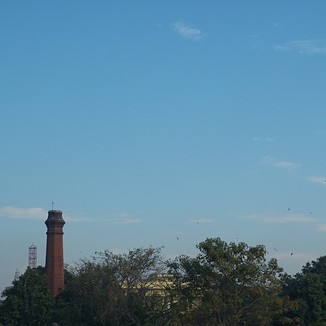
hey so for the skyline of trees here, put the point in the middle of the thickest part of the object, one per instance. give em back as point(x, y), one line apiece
point(225, 284)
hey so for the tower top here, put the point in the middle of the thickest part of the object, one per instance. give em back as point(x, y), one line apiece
point(55, 216)
point(55, 211)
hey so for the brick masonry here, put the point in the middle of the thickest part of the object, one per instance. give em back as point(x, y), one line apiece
point(54, 265)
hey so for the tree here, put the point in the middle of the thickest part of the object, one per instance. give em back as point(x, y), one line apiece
point(307, 290)
point(27, 301)
point(114, 289)
point(226, 284)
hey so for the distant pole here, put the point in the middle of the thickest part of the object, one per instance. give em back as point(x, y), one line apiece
point(17, 274)
point(32, 256)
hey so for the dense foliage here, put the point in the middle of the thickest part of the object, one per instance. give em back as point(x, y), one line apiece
point(113, 289)
point(227, 284)
point(307, 293)
point(224, 285)
point(27, 301)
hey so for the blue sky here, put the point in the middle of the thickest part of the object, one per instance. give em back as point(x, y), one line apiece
point(161, 123)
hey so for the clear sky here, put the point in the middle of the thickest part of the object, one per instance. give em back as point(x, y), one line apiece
point(162, 123)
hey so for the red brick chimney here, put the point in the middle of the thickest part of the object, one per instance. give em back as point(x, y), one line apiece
point(54, 252)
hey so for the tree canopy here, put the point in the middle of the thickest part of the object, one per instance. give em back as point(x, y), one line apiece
point(226, 284)
point(27, 301)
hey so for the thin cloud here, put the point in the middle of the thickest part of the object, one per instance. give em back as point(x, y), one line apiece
point(280, 219)
point(272, 161)
point(303, 47)
point(277, 24)
point(317, 179)
point(35, 213)
point(75, 218)
point(321, 227)
point(187, 32)
point(125, 219)
point(254, 41)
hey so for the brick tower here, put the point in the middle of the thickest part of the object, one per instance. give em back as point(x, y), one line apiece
point(54, 252)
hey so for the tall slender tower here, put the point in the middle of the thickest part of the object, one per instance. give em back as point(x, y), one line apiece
point(54, 252)
point(32, 256)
